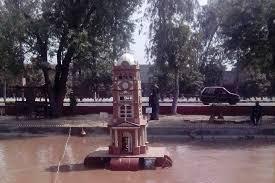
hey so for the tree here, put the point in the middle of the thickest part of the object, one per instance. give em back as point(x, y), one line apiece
point(238, 33)
point(162, 77)
point(254, 84)
point(213, 74)
point(32, 73)
point(93, 77)
point(61, 31)
point(10, 61)
point(245, 34)
point(209, 21)
point(172, 39)
point(191, 82)
point(11, 49)
point(270, 16)
point(10, 64)
point(211, 51)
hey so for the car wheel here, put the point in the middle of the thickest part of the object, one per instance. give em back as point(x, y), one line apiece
point(205, 103)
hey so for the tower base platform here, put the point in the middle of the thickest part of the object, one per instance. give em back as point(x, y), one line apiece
point(153, 158)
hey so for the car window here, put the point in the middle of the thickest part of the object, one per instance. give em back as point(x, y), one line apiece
point(208, 91)
point(217, 91)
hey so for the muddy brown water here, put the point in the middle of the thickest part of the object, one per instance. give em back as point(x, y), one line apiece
point(34, 159)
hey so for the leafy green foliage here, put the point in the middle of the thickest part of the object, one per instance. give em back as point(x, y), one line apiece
point(11, 48)
point(213, 74)
point(66, 32)
point(239, 33)
point(254, 83)
point(244, 31)
point(270, 15)
point(172, 41)
point(191, 82)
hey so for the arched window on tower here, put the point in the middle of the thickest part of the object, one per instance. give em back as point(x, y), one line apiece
point(125, 111)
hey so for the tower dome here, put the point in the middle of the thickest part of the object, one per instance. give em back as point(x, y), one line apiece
point(127, 57)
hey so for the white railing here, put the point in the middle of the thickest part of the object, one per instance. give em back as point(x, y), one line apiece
point(144, 99)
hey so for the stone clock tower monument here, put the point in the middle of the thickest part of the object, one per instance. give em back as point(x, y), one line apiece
point(128, 149)
point(128, 127)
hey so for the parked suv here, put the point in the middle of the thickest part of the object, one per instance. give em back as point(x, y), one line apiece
point(217, 94)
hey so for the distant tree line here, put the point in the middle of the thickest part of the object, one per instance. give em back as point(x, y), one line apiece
point(191, 45)
point(65, 45)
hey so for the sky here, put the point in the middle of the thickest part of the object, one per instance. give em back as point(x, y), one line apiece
point(138, 47)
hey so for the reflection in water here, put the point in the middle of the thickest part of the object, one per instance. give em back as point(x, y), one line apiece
point(70, 156)
point(42, 155)
point(2, 158)
point(3, 164)
point(35, 160)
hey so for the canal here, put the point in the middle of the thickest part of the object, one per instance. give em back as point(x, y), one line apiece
point(33, 159)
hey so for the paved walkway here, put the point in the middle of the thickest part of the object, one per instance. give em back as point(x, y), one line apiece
point(189, 121)
point(96, 120)
point(93, 120)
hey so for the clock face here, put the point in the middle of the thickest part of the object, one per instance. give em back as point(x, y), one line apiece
point(125, 85)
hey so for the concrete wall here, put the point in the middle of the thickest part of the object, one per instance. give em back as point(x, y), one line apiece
point(186, 110)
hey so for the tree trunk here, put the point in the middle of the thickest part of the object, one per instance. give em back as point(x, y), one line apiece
point(49, 91)
point(176, 92)
point(56, 97)
point(5, 90)
point(60, 83)
point(57, 91)
point(237, 79)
